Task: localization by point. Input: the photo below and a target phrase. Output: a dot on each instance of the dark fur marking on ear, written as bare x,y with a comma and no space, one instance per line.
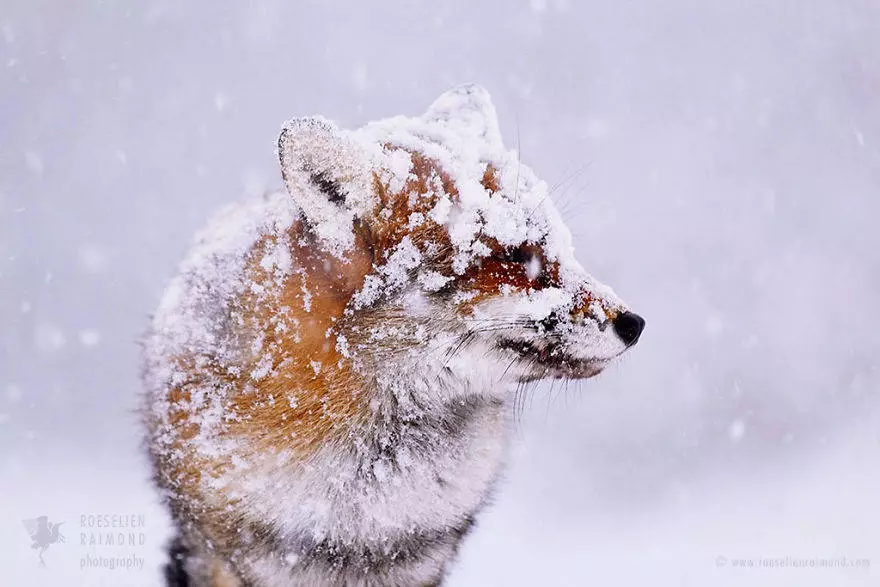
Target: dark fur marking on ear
328,187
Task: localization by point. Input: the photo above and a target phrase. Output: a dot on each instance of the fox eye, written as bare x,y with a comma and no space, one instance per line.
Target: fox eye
532,263
517,255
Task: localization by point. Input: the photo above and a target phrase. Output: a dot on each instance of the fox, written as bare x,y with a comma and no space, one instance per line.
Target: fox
329,377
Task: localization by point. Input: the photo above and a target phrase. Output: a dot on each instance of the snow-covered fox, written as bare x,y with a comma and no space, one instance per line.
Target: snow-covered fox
329,376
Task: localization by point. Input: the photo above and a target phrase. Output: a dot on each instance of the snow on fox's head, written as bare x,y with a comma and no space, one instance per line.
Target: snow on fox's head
454,242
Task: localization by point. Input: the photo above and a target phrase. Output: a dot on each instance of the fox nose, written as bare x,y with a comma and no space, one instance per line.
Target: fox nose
628,327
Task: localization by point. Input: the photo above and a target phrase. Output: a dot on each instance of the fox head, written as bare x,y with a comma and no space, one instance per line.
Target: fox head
442,247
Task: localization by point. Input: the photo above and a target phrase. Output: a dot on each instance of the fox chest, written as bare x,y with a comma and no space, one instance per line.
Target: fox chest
397,479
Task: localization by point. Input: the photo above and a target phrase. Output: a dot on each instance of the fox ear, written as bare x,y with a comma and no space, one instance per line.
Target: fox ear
469,112
328,175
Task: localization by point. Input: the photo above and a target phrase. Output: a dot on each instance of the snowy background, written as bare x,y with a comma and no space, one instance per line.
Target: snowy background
718,163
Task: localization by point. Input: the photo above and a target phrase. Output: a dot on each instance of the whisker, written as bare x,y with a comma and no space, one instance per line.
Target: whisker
462,341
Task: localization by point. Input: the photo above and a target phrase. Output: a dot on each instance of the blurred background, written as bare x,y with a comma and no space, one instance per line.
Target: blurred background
718,164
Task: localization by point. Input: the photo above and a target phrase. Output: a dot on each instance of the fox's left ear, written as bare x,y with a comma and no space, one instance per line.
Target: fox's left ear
328,175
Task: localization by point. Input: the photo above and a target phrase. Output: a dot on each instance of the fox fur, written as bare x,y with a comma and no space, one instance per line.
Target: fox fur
329,376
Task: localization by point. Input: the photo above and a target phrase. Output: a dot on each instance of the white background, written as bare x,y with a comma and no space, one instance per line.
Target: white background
718,163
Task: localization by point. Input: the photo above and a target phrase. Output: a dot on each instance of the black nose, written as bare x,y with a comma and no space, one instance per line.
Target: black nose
628,327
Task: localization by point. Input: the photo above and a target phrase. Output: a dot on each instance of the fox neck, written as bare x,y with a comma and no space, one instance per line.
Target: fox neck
408,479
395,500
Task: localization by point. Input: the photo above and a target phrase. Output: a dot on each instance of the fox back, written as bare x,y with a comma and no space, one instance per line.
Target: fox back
329,376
